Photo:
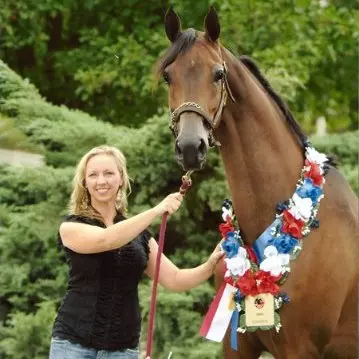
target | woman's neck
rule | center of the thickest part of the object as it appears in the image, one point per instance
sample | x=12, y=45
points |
x=106, y=209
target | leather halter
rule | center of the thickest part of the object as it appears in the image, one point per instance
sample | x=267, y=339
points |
x=194, y=107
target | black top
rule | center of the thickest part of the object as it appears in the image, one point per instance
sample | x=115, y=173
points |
x=101, y=307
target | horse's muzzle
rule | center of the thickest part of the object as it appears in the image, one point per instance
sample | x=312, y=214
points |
x=191, y=154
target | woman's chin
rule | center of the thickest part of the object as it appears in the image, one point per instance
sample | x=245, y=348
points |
x=104, y=199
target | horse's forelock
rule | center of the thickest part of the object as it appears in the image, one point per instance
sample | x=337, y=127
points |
x=182, y=44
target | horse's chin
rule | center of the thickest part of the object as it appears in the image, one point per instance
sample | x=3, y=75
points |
x=197, y=166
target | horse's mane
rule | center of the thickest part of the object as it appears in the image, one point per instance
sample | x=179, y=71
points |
x=254, y=69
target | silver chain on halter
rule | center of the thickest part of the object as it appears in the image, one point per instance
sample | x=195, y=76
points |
x=192, y=104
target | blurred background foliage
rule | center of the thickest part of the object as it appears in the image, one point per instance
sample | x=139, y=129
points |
x=81, y=75
x=98, y=55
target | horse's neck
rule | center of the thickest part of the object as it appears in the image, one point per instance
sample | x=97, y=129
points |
x=261, y=155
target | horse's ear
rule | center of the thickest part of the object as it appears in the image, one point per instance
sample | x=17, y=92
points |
x=211, y=25
x=172, y=25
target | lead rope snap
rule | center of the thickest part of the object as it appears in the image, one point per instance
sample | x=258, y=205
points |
x=186, y=182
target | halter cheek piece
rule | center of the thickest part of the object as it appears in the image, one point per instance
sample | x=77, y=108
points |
x=194, y=107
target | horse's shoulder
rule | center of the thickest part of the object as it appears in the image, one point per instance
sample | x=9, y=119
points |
x=340, y=204
x=338, y=189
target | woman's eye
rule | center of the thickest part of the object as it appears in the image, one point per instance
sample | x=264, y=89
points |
x=166, y=77
x=219, y=75
x=92, y=174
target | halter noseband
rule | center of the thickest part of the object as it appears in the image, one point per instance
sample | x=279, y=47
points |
x=194, y=107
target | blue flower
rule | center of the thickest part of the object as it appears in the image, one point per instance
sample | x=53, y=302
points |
x=284, y=243
x=309, y=190
x=284, y=297
x=231, y=244
x=281, y=206
x=315, y=223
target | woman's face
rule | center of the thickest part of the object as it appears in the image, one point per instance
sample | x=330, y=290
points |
x=102, y=178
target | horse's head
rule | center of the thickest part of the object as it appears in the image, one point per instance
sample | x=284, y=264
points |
x=197, y=87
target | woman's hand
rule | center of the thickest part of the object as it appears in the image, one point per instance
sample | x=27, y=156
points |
x=170, y=204
x=216, y=256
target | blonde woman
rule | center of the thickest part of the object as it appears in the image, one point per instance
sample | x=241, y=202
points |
x=107, y=254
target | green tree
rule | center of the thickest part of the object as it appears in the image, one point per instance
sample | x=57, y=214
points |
x=98, y=55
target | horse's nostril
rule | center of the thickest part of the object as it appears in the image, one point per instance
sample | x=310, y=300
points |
x=178, y=150
x=202, y=148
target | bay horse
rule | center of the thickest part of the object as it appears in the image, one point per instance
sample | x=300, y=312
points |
x=262, y=149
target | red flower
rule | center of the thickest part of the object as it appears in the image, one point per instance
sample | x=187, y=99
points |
x=251, y=254
x=224, y=228
x=313, y=173
x=291, y=225
x=247, y=284
x=266, y=283
x=230, y=280
x=255, y=283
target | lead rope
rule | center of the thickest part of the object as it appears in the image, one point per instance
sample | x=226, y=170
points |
x=186, y=183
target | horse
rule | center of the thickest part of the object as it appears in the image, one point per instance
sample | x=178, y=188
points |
x=217, y=99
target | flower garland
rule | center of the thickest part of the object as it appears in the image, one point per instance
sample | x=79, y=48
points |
x=262, y=268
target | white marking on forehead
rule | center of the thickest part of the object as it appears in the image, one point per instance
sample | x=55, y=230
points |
x=193, y=63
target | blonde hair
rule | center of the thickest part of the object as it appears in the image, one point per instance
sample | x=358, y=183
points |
x=80, y=201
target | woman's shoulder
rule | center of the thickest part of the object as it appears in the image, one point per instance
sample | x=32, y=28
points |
x=70, y=217
x=81, y=219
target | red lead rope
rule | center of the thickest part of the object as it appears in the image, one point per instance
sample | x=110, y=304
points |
x=186, y=183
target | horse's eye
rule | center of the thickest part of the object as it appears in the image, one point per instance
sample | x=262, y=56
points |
x=166, y=77
x=219, y=75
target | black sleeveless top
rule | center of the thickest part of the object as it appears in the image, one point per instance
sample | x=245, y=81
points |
x=101, y=307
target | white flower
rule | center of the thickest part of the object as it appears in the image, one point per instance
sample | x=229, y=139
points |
x=302, y=208
x=226, y=212
x=305, y=231
x=270, y=251
x=239, y=264
x=314, y=156
x=274, y=262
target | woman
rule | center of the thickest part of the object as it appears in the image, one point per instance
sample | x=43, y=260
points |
x=107, y=254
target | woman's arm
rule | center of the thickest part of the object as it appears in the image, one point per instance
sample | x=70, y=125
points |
x=86, y=239
x=180, y=280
